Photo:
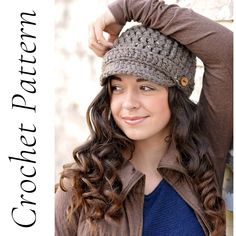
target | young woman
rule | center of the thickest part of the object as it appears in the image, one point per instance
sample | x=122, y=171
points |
x=154, y=162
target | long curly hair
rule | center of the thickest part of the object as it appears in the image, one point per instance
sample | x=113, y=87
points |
x=96, y=184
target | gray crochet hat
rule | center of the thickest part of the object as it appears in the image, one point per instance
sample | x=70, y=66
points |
x=146, y=53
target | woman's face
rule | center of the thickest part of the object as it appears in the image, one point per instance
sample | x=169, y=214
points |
x=140, y=107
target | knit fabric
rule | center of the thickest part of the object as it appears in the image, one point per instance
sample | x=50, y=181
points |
x=167, y=214
x=146, y=53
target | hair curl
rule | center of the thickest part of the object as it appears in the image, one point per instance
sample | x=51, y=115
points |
x=186, y=131
x=97, y=186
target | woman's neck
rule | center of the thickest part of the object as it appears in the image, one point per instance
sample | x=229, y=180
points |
x=148, y=154
x=146, y=158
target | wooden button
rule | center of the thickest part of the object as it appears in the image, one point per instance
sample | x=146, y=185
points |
x=183, y=81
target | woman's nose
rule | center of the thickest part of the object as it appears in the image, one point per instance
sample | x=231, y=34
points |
x=131, y=101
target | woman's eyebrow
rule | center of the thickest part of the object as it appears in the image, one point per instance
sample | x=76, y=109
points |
x=141, y=80
x=119, y=79
x=116, y=78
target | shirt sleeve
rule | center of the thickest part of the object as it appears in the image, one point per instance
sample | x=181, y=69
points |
x=209, y=41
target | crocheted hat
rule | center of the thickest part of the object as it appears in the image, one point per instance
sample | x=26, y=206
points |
x=146, y=53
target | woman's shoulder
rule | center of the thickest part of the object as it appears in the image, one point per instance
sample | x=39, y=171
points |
x=63, y=198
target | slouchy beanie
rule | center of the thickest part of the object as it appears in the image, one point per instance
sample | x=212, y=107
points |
x=150, y=55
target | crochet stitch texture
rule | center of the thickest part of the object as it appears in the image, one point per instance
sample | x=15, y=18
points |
x=146, y=53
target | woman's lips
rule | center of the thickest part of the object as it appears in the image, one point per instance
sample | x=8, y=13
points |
x=134, y=120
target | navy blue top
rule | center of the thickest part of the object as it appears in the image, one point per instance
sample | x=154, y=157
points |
x=167, y=214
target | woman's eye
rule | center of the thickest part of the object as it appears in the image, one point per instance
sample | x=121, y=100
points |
x=116, y=88
x=146, y=88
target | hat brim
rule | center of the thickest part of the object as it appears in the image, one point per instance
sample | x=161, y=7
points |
x=135, y=68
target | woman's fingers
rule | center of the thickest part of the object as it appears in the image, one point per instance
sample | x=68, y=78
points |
x=104, y=23
x=99, y=46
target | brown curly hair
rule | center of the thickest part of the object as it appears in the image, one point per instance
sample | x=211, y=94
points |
x=95, y=182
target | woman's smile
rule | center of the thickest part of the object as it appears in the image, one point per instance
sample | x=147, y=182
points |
x=133, y=120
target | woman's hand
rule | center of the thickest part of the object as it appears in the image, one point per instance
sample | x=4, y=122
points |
x=106, y=22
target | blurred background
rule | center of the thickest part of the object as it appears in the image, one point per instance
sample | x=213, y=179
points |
x=77, y=72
